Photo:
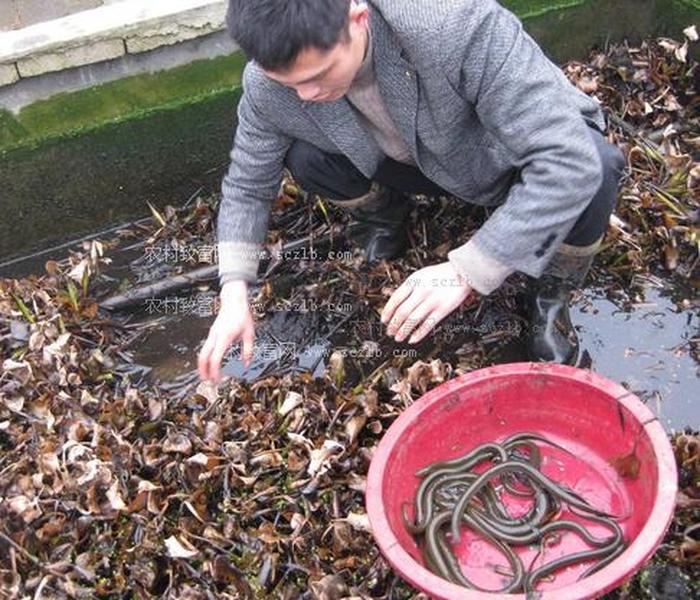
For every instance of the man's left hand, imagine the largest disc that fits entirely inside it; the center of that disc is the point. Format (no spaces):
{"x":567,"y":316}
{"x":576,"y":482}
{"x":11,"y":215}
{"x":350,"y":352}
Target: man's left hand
{"x":423,"y":300}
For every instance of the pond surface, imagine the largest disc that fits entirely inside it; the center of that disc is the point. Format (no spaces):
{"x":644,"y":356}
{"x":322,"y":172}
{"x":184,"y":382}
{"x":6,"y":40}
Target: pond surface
{"x":652,"y":348}
{"x":649,"y":350}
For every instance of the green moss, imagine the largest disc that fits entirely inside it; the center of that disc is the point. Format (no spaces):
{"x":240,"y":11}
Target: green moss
{"x":570,"y":34}
{"x":71,"y":183}
{"x":74,"y":112}
{"x":526,"y":9}
{"x":11,"y":130}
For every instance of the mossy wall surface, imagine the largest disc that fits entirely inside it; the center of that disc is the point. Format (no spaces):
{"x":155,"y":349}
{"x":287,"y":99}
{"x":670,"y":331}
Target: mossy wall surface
{"x":570,"y":33}
{"x":71,"y":185}
{"x":528,"y":9}
{"x":78,"y":112}
{"x":81,"y":161}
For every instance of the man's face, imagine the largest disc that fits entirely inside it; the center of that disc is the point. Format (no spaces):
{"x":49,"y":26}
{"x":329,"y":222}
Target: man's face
{"x":324,"y":76}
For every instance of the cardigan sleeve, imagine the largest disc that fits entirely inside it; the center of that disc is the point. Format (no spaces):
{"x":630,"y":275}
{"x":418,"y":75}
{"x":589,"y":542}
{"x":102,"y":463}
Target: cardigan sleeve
{"x":523,"y":100}
{"x":249,"y":189}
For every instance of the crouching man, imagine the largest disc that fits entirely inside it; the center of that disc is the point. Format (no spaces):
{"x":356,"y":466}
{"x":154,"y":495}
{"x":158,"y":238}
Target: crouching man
{"x":367,"y":103}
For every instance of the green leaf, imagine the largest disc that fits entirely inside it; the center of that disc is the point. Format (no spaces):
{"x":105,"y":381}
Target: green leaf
{"x":85,"y":282}
{"x":24,"y":309}
{"x":73,"y":295}
{"x":324,"y":210}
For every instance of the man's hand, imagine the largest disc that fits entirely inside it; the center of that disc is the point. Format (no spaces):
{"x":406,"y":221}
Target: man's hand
{"x":233,"y":323}
{"x":423,"y":300}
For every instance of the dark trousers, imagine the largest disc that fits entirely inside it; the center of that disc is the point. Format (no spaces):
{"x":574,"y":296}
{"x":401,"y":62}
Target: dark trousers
{"x":334,"y":176}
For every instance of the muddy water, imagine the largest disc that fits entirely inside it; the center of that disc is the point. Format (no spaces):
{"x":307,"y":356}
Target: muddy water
{"x":285,"y":342}
{"x":647,"y":348}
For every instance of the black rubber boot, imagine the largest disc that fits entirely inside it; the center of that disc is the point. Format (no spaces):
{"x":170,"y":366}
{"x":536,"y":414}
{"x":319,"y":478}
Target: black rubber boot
{"x":552,"y":337}
{"x":379,"y":226}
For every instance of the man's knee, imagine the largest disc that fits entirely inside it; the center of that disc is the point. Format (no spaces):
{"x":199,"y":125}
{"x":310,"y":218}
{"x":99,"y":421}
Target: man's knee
{"x":593,"y":222}
{"x":324,"y":173}
{"x":613,"y":164}
{"x":303,"y":160}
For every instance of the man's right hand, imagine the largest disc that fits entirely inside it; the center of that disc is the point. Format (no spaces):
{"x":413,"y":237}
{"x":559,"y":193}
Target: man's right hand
{"x":233,"y":323}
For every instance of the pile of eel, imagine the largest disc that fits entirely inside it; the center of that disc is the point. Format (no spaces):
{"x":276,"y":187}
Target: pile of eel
{"x":452,"y":494}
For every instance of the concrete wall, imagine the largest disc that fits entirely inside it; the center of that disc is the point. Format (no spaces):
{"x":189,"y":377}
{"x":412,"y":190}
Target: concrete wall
{"x":103,"y":33}
{"x":15,"y":14}
{"x":102,"y":109}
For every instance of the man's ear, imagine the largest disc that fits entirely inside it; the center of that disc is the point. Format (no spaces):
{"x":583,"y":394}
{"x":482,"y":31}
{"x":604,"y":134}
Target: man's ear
{"x":358,"y":13}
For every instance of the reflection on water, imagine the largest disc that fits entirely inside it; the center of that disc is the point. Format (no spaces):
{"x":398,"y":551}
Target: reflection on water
{"x":285,"y":341}
{"x":648,"y":349}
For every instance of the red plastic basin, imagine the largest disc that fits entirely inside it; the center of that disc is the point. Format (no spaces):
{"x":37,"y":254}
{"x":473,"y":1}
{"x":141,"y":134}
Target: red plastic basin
{"x":596,"y":419}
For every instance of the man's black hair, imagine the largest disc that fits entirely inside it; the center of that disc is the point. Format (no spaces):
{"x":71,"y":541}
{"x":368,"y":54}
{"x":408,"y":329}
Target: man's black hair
{"x":274,"y":32}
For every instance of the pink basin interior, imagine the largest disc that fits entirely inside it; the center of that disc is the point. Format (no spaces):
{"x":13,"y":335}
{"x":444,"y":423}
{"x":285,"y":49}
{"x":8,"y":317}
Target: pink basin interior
{"x":595,"y":419}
